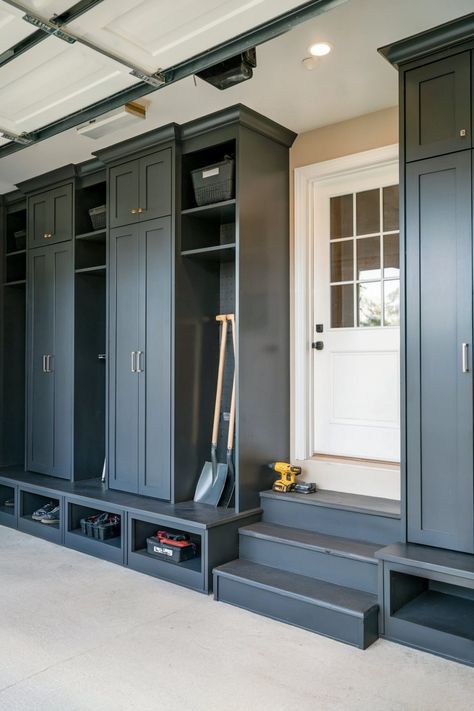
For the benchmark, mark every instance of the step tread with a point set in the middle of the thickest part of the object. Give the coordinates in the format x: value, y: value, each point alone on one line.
x: 389, y: 508
x: 318, y: 592
x: 436, y: 559
x: 335, y: 545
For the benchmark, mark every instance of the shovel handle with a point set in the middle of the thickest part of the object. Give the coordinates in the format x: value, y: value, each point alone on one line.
x: 222, y: 319
x: 230, y: 439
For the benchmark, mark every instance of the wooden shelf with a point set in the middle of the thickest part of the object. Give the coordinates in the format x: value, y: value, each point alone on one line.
x: 17, y: 253
x: 100, y: 269
x: 217, y: 212
x: 20, y: 282
x: 95, y: 236
x: 220, y: 253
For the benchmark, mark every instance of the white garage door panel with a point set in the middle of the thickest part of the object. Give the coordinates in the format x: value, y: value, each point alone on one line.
x: 12, y: 28
x: 159, y: 33
x: 53, y: 80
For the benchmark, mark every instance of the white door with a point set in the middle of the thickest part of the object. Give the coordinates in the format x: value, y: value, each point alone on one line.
x: 356, y: 308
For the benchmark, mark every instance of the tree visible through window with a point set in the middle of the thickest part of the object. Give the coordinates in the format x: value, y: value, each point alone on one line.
x: 365, y: 259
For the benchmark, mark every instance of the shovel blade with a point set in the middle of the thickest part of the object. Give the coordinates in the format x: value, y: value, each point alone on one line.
x: 211, y: 484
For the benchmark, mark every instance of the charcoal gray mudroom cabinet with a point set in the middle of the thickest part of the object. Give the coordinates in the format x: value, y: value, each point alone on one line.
x: 50, y: 216
x: 50, y: 334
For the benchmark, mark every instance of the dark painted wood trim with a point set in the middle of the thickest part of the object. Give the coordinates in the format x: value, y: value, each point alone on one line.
x: 145, y: 141
x: 46, y: 180
x: 436, y: 39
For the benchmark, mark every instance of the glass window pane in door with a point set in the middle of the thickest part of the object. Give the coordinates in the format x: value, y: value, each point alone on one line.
x: 391, y: 256
x: 368, y: 212
x: 391, y: 208
x: 369, y: 304
x: 391, y: 300
x: 342, y: 306
x: 368, y: 258
x: 342, y: 260
x: 342, y: 219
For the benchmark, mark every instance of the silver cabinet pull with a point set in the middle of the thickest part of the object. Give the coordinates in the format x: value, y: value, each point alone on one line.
x: 50, y: 359
x: 464, y: 357
x: 44, y: 363
x: 133, y: 361
x: 139, y: 362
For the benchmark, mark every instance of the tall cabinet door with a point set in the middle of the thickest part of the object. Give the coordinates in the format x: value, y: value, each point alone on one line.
x: 124, y: 317
x: 439, y: 353
x: 40, y: 381
x: 124, y: 195
x: 155, y: 185
x: 155, y: 360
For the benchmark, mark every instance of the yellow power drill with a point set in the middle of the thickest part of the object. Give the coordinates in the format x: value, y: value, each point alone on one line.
x: 288, y: 474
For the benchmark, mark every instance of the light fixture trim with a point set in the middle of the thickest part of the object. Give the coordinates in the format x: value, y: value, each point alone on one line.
x: 320, y: 49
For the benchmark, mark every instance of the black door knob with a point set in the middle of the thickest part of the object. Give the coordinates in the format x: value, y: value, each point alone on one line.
x: 318, y: 345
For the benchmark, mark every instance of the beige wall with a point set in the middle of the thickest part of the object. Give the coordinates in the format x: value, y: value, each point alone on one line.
x: 340, y: 139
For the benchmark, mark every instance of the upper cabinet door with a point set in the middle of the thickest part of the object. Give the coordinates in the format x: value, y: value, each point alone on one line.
x: 438, y: 107
x: 155, y: 185
x: 124, y: 197
x: 50, y: 218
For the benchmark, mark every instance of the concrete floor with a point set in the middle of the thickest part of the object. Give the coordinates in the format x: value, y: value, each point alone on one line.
x: 80, y: 634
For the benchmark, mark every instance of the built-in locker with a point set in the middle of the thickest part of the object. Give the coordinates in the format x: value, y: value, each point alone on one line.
x: 50, y: 360
x: 140, y: 269
x: 50, y: 216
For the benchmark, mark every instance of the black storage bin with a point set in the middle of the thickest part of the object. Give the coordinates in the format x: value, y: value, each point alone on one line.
x: 214, y: 183
x: 20, y: 239
x: 109, y: 529
x: 170, y: 553
x: 98, y: 217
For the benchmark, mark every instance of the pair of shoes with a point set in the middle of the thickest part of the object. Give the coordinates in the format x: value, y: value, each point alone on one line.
x: 9, y: 503
x: 49, y: 514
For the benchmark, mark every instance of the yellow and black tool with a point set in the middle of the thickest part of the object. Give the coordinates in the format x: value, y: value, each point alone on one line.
x: 288, y: 474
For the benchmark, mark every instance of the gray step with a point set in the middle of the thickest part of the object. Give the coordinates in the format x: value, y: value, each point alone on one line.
x: 335, y: 513
x: 315, y: 555
x: 338, y: 612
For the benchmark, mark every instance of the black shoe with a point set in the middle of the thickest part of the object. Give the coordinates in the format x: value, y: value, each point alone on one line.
x: 52, y: 517
x: 39, y: 514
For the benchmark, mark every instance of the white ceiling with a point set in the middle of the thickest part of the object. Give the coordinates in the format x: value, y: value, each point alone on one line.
x: 354, y: 79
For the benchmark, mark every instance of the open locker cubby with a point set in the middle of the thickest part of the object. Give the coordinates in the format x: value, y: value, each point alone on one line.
x: 89, y: 195
x: 8, y: 505
x: 29, y: 502
x: 111, y: 549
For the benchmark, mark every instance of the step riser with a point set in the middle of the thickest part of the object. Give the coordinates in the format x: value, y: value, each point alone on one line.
x: 334, y: 522
x: 331, y: 623
x: 314, y: 564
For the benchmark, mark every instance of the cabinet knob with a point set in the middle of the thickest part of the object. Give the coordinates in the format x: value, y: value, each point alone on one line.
x: 47, y: 235
x: 463, y: 133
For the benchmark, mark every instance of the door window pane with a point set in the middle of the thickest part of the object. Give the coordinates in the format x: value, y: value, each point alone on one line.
x: 369, y: 298
x: 368, y: 258
x: 342, y: 221
x: 342, y: 306
x: 368, y: 212
x: 391, y: 208
x: 342, y: 260
x: 391, y: 256
x: 392, y: 303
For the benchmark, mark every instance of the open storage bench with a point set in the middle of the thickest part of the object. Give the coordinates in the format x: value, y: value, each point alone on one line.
x: 8, y: 512
x: 30, y: 500
x: 429, y: 600
x: 111, y: 548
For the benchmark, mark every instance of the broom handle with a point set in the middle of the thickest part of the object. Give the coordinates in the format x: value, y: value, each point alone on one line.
x: 230, y: 440
x: 222, y: 318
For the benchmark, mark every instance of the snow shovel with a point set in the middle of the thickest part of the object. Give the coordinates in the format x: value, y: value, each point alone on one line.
x: 213, y: 476
x: 230, y: 481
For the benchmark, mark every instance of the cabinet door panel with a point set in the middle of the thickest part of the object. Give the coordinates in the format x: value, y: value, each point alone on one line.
x: 155, y: 185
x: 123, y: 194
x: 61, y: 213
x: 38, y: 219
x: 439, y: 393
x: 124, y: 337
x: 438, y: 107
x: 40, y: 343
x: 155, y: 341
x: 62, y: 287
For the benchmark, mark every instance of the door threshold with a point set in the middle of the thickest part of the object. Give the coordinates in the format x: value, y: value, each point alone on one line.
x: 356, y: 461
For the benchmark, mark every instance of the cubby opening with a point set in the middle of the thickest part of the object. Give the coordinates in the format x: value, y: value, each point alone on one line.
x: 7, y: 500
x: 202, y: 159
x: 30, y: 502
x: 89, y: 375
x: 14, y: 376
x: 77, y: 524
x: 15, y: 233
x: 437, y: 605
x: 91, y: 254
x: 87, y: 198
x: 142, y: 530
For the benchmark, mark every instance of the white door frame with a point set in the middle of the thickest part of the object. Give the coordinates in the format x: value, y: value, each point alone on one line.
x: 306, y: 184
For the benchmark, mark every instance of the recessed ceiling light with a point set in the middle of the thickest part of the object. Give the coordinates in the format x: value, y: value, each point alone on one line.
x: 320, y: 49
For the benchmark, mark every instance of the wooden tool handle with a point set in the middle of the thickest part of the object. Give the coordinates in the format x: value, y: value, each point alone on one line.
x: 222, y: 318
x: 230, y: 438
